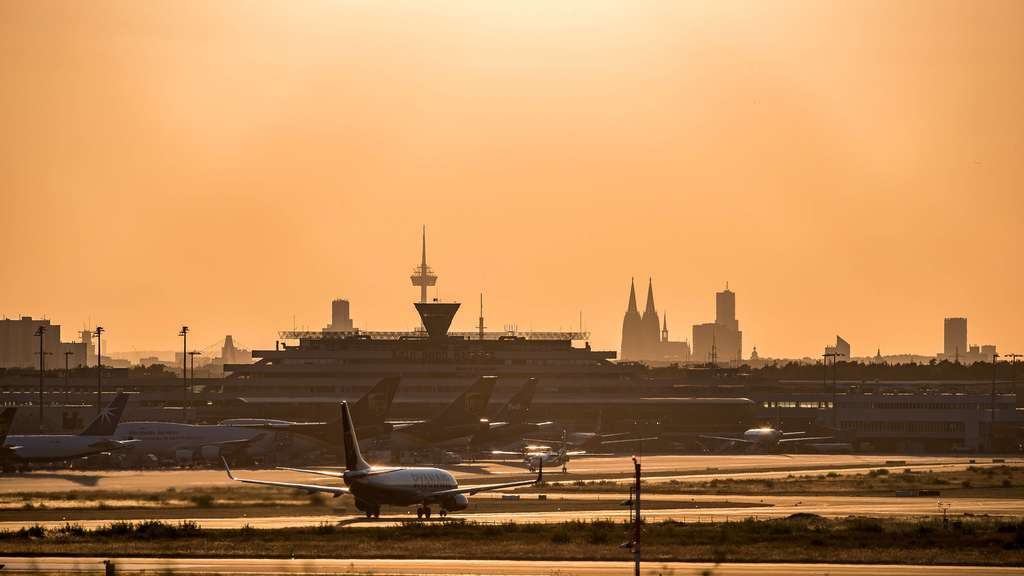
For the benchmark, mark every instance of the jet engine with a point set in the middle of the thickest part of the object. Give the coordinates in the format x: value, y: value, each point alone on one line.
x: 210, y: 453
x: 455, y: 502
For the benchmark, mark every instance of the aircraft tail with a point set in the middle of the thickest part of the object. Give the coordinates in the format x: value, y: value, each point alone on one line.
x: 353, y: 457
x: 517, y: 408
x: 6, y: 419
x: 105, y: 423
x: 471, y: 405
x: 373, y: 407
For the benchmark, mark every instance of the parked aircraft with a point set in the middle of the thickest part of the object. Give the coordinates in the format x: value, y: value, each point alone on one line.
x: 19, y: 449
x: 453, y: 427
x: 374, y: 487
x: 189, y: 443
x: 510, y: 424
x: 371, y: 411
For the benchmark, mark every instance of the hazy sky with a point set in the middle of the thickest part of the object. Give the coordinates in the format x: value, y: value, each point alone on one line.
x: 848, y: 167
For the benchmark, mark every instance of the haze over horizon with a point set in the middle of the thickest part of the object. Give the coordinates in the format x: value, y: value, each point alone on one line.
x: 849, y: 168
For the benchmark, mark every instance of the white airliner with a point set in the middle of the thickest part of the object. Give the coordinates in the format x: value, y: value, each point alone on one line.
x: 768, y: 438
x: 191, y: 443
x: 96, y: 438
x: 375, y: 486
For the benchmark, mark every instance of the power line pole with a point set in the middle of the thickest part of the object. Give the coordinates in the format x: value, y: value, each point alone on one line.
x: 99, y: 369
x: 636, y: 518
x: 184, y: 371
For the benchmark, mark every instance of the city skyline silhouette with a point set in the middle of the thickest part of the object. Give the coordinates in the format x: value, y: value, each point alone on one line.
x: 236, y: 168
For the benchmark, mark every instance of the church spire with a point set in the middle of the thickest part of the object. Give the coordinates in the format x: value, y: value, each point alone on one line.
x: 664, y: 326
x: 650, y: 309
x: 632, y: 298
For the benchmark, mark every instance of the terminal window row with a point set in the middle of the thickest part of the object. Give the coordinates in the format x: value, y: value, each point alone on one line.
x: 903, y: 427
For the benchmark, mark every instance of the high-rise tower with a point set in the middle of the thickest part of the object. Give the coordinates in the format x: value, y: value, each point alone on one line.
x: 422, y: 275
x: 954, y: 336
x: 725, y: 309
x: 631, y: 349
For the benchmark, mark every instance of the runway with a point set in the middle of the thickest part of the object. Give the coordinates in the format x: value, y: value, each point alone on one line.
x: 658, y: 468
x: 687, y: 468
x: 475, y: 567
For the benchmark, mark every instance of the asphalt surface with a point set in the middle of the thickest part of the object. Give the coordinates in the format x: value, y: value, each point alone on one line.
x: 682, y: 468
x: 474, y: 567
x: 656, y: 468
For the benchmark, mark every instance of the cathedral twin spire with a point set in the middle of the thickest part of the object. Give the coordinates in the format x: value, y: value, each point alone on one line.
x: 641, y: 335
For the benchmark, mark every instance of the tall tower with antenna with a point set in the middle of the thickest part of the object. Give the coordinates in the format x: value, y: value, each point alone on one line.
x: 422, y: 275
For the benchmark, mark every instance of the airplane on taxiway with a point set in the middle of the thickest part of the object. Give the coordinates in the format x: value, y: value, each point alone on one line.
x: 374, y: 486
x: 766, y: 438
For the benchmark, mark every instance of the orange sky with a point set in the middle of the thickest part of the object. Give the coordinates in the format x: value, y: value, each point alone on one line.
x: 849, y: 167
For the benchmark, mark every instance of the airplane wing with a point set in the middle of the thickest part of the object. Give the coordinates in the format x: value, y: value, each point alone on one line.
x: 238, y: 442
x: 725, y: 438
x: 627, y: 440
x: 311, y: 488
x: 804, y: 439
x: 330, y: 473
x: 333, y: 474
x: 470, y: 490
x: 108, y: 444
x: 505, y: 453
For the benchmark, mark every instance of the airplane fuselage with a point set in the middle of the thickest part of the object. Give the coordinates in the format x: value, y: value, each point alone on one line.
x: 50, y: 447
x: 763, y: 437
x: 405, y: 487
x: 165, y: 439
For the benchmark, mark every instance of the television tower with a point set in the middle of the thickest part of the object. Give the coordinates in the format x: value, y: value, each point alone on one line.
x: 422, y: 275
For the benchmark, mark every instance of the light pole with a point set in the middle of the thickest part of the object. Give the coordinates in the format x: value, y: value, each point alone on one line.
x: 40, y: 332
x: 992, y: 416
x: 67, y: 374
x: 825, y: 357
x: 99, y: 369
x: 192, y: 362
x: 184, y: 372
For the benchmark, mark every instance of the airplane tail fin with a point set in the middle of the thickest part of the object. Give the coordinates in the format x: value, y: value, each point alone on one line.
x: 6, y: 419
x: 471, y: 405
x: 517, y: 408
x: 353, y: 457
x: 105, y: 423
x: 373, y: 407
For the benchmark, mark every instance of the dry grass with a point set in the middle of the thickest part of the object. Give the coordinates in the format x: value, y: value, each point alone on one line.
x: 802, y: 538
x: 976, y: 481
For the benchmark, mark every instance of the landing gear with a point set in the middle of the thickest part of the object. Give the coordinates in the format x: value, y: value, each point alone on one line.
x: 423, y: 512
x: 372, y: 510
x: 443, y: 512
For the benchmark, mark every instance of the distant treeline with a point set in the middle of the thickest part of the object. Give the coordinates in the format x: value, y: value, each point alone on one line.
x: 860, y: 371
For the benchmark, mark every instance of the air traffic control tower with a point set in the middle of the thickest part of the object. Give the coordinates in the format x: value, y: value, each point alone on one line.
x: 422, y: 275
